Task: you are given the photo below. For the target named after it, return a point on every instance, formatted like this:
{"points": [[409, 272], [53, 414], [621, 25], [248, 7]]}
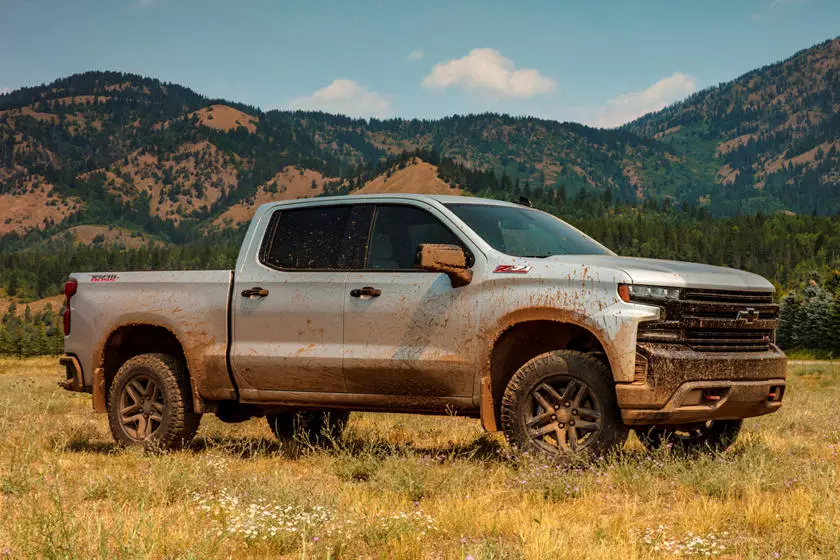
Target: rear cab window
{"points": [[316, 238]]}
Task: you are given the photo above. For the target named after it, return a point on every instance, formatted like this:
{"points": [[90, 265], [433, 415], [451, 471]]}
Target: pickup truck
{"points": [[432, 305]]}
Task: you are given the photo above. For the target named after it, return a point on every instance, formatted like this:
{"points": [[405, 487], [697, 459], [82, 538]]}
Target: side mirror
{"points": [[449, 259]]}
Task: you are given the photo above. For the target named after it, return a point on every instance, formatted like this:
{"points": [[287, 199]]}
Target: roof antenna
{"points": [[523, 200]]}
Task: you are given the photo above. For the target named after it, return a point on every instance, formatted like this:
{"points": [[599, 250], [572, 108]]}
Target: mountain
{"points": [[113, 148], [159, 160], [772, 135]]}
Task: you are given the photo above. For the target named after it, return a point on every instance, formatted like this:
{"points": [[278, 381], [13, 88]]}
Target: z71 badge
{"points": [[103, 277], [513, 268]]}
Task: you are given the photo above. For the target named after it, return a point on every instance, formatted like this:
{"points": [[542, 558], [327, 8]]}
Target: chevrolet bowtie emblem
{"points": [[749, 315]]}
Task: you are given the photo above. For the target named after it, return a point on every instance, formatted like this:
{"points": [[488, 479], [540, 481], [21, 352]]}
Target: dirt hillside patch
{"points": [[33, 206], [107, 236], [808, 158], [419, 177], [191, 178], [671, 130], [727, 175], [222, 117], [30, 112], [735, 143], [36, 306], [290, 184]]}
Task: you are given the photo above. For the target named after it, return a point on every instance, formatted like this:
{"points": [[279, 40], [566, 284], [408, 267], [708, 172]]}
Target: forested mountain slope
{"points": [[101, 146], [108, 148], [773, 135]]}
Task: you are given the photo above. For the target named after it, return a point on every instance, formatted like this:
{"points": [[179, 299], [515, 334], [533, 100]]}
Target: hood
{"points": [[675, 273]]}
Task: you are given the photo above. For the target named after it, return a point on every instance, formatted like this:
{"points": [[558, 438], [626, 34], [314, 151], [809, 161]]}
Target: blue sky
{"points": [[601, 63]]}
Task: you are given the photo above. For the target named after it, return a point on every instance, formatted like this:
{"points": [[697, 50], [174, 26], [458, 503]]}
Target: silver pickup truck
{"points": [[435, 305]]}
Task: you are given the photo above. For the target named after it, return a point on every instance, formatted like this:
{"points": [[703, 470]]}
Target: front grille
{"points": [[729, 305], [727, 296], [771, 312], [728, 340], [716, 321]]}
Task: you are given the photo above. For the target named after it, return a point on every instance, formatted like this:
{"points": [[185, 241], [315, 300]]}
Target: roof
{"points": [[439, 198]]}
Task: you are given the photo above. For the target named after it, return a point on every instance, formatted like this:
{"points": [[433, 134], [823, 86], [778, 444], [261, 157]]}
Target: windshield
{"points": [[524, 232]]}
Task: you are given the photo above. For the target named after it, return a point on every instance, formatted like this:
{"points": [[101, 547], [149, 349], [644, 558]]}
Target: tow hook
{"points": [[713, 395]]}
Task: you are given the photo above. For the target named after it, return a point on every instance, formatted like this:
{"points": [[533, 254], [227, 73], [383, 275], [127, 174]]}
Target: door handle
{"points": [[366, 291], [256, 291]]}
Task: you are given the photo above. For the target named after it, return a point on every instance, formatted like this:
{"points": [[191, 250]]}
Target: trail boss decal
{"points": [[103, 277], [513, 268]]}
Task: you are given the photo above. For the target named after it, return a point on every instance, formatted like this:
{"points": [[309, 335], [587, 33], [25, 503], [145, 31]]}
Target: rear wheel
{"points": [[713, 435], [562, 402], [311, 426], [149, 403]]}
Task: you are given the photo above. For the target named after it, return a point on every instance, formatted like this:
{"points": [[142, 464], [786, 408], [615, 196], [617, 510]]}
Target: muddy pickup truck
{"points": [[433, 305]]}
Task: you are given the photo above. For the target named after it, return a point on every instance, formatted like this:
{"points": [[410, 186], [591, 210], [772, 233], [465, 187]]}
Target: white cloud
{"points": [[5, 90], [773, 7], [345, 97], [488, 70], [415, 55], [629, 106]]}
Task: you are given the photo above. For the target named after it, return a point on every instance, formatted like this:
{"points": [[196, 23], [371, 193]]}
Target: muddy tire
{"points": [[316, 427], [149, 403], [715, 436], [562, 403]]}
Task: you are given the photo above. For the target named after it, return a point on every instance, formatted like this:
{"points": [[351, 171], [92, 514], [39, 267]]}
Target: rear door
{"points": [[287, 306], [407, 331]]}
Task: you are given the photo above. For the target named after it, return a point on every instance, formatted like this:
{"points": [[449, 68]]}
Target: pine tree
{"points": [[833, 328], [788, 312]]}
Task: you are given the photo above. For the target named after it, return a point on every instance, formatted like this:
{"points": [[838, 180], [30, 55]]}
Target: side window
{"points": [[320, 237], [396, 233]]}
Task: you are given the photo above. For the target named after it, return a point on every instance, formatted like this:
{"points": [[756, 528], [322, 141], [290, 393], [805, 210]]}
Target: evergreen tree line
{"points": [[31, 334], [810, 316]]}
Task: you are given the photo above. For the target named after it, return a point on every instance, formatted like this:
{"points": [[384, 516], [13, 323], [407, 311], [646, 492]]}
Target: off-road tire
{"points": [[561, 368], [316, 427], [172, 402], [715, 436]]}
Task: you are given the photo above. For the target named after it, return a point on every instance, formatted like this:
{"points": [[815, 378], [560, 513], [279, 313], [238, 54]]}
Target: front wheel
{"points": [[562, 402], [149, 403], [713, 435]]}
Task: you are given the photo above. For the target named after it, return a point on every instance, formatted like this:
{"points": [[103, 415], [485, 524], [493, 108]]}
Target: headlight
{"points": [[633, 292]]}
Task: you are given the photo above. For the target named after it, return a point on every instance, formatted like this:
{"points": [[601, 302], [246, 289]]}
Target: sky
{"points": [[601, 63]]}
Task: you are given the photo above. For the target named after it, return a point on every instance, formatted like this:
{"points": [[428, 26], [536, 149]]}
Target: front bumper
{"points": [[678, 385]]}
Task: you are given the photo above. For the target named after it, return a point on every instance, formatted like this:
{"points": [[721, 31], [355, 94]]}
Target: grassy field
{"points": [[407, 487]]}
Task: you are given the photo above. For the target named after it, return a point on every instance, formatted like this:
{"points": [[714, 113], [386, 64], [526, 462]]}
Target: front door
{"points": [[407, 331], [287, 307]]}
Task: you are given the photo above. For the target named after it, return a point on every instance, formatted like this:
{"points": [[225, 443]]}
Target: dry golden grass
{"points": [[401, 486]]}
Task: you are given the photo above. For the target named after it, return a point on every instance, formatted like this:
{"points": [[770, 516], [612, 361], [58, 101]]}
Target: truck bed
{"points": [[192, 305]]}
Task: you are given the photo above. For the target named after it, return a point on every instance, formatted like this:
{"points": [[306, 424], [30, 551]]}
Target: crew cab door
{"points": [[407, 331], [287, 304]]}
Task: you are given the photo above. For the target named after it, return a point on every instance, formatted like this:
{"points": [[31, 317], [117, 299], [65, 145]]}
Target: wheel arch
{"points": [[132, 339], [525, 336]]}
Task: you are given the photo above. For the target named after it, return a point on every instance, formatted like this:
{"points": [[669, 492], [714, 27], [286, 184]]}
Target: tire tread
{"points": [[580, 364], [183, 423]]}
